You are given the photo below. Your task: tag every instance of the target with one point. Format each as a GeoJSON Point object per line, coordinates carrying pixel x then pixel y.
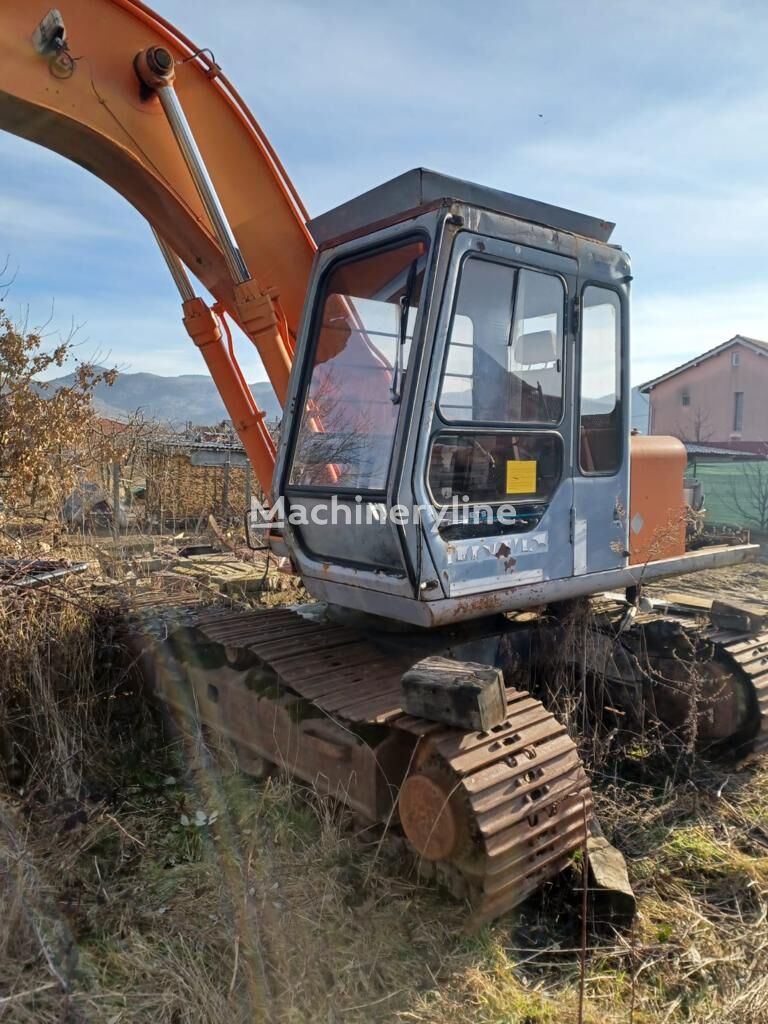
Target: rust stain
{"type": "Point", "coordinates": [505, 552]}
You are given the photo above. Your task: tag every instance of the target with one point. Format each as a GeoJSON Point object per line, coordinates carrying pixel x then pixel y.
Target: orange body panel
{"type": "Point", "coordinates": [656, 499]}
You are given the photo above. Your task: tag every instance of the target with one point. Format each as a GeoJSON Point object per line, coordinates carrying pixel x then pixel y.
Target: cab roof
{"type": "Point", "coordinates": [422, 189]}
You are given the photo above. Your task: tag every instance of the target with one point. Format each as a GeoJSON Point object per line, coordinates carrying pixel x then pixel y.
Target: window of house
{"type": "Point", "coordinates": [685, 398]}
{"type": "Point", "coordinates": [600, 386]}
{"type": "Point", "coordinates": [738, 411]}
{"type": "Point", "coordinates": [735, 358]}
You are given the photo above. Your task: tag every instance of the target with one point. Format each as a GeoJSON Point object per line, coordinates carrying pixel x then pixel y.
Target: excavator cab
{"type": "Point", "coordinates": [458, 408]}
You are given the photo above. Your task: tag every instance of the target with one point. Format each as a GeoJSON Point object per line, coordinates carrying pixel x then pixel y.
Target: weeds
{"type": "Point", "coordinates": [143, 879]}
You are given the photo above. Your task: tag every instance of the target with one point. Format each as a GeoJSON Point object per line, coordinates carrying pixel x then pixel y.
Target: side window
{"type": "Point", "coordinates": [505, 349]}
{"type": "Point", "coordinates": [600, 426]}
{"type": "Point", "coordinates": [738, 411]}
{"type": "Point", "coordinates": [456, 395]}
{"type": "Point", "coordinates": [492, 468]}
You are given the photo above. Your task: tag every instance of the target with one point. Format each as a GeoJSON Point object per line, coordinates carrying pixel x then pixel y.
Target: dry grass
{"type": "Point", "coordinates": [121, 903]}
{"type": "Point", "coordinates": [279, 911]}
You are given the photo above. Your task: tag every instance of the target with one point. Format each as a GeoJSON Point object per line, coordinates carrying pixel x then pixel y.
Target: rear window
{"type": "Point", "coordinates": [601, 417]}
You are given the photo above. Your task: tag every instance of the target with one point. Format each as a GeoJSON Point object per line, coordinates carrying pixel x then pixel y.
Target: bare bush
{"type": "Point", "coordinates": [41, 429]}
{"type": "Point", "coordinates": [52, 710]}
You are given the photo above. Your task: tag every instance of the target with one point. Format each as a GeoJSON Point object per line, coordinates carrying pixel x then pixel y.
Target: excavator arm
{"type": "Point", "coordinates": [114, 87]}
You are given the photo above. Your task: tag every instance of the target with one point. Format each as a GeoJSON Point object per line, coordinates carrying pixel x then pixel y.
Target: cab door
{"type": "Point", "coordinates": [339, 488]}
{"type": "Point", "coordinates": [496, 446]}
{"type": "Point", "coordinates": [601, 474]}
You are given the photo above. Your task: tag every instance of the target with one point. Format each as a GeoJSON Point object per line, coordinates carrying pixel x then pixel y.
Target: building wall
{"type": "Point", "coordinates": [710, 388]}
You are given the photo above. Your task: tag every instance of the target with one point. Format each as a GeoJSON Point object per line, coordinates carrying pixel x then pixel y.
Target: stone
{"type": "Point", "coordinates": [609, 875]}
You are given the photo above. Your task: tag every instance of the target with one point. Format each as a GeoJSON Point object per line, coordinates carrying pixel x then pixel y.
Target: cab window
{"type": "Point", "coordinates": [505, 349]}
{"type": "Point", "coordinates": [365, 329]}
{"type": "Point", "coordinates": [493, 468]}
{"type": "Point", "coordinates": [600, 426]}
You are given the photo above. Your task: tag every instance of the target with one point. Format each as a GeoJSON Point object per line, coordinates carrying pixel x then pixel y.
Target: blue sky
{"type": "Point", "coordinates": [654, 115]}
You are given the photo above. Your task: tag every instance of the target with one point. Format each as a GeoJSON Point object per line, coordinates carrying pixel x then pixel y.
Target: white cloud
{"type": "Point", "coordinates": [149, 338]}
{"type": "Point", "coordinates": [686, 142]}
{"type": "Point", "coordinates": [25, 219]}
{"type": "Point", "coordinates": [669, 329]}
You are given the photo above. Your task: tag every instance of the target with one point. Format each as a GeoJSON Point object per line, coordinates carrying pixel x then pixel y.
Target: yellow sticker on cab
{"type": "Point", "coordinates": [521, 476]}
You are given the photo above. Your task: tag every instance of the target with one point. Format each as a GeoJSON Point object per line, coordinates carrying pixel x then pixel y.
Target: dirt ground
{"type": "Point", "coordinates": [745, 583]}
{"type": "Point", "coordinates": [143, 879]}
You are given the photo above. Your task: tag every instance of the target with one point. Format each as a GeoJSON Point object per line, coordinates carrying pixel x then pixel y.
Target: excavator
{"type": "Point", "coordinates": [455, 482]}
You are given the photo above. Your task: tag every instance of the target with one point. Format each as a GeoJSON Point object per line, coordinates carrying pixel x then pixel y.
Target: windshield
{"type": "Point", "coordinates": [350, 413]}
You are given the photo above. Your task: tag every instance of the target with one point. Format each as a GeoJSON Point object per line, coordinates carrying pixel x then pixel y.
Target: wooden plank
{"type": "Point", "coordinates": [683, 600]}
{"type": "Point", "coordinates": [464, 694]}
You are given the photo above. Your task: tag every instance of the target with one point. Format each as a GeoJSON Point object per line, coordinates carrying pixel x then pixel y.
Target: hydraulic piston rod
{"type": "Point", "coordinates": [156, 69]}
{"type": "Point", "coordinates": [259, 313]}
{"type": "Point", "coordinates": [205, 330]}
{"type": "Point", "coordinates": [176, 268]}
{"type": "Point", "coordinates": [188, 146]}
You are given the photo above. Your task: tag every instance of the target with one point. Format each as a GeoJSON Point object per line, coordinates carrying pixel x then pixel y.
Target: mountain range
{"type": "Point", "coordinates": [191, 397]}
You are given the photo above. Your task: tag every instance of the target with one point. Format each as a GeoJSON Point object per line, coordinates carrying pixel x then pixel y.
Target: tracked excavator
{"type": "Point", "coordinates": [454, 479]}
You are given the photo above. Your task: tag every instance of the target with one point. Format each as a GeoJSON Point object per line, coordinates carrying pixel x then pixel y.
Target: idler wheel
{"type": "Point", "coordinates": [433, 814]}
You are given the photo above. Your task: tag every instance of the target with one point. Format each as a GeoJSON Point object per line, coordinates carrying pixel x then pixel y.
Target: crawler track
{"type": "Point", "coordinates": [748, 655]}
{"type": "Point", "coordinates": [498, 813]}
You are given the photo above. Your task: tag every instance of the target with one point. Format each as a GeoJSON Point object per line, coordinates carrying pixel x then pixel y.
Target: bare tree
{"type": "Point", "coordinates": [42, 429]}
{"type": "Point", "coordinates": [748, 495]}
{"type": "Point", "coordinates": [698, 429]}
{"type": "Point", "coordinates": [121, 442]}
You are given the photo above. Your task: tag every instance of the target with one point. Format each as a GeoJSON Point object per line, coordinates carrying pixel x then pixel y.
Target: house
{"type": "Point", "coordinates": [718, 398]}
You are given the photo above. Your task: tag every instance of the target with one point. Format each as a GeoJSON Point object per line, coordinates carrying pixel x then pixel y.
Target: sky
{"type": "Point", "coordinates": [653, 115]}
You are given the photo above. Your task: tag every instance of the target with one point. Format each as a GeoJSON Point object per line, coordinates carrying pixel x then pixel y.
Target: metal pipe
{"type": "Point", "coordinates": [205, 187]}
{"type": "Point", "coordinates": [176, 267]}
{"type": "Point", "coordinates": [33, 580]}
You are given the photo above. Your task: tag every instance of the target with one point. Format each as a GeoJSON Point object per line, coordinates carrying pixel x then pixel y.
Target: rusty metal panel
{"type": "Point", "coordinates": [489, 780]}
{"type": "Point", "coordinates": [533, 844]}
{"type": "Point", "coordinates": [299, 666]}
